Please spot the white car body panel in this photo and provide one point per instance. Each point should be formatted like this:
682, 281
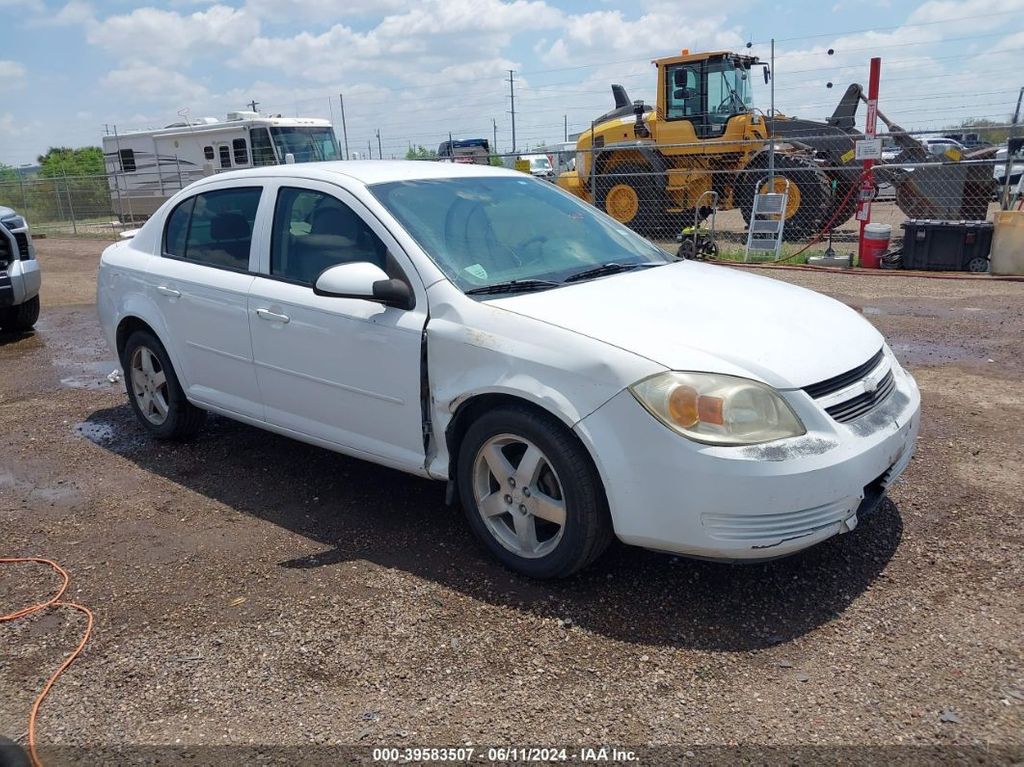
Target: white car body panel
350, 375
692, 316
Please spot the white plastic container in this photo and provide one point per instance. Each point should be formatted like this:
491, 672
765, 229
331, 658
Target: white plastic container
1008, 243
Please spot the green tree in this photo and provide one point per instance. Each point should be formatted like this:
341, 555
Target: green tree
420, 152
8, 174
988, 130
64, 161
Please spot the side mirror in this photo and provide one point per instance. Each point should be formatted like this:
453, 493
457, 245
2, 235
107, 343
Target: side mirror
364, 280
767, 75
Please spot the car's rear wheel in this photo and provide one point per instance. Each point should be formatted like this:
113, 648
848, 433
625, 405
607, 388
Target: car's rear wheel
154, 392
22, 317
532, 494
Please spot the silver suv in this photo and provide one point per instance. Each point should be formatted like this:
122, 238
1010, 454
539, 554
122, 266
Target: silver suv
19, 274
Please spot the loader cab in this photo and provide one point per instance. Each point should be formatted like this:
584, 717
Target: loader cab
707, 90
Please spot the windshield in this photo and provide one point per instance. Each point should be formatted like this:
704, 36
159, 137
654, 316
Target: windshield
729, 90
540, 163
489, 230
305, 144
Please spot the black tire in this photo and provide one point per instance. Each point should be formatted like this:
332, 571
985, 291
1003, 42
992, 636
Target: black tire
978, 264
649, 216
686, 249
20, 318
183, 419
711, 250
811, 182
587, 528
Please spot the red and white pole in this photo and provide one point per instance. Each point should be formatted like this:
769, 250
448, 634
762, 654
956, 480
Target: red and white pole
867, 187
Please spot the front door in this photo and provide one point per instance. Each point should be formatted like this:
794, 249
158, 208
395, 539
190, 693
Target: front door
341, 371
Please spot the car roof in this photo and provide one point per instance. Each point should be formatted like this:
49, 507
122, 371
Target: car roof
369, 171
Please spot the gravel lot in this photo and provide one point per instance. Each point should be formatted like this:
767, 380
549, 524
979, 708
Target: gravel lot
253, 590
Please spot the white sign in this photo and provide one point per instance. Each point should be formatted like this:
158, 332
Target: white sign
868, 149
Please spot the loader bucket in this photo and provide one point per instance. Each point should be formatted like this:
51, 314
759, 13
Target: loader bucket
946, 192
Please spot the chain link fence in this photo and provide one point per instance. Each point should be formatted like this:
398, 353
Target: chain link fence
697, 195
697, 198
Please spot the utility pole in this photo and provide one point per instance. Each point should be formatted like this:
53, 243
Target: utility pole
512, 96
771, 132
565, 128
253, 104
494, 129
1004, 202
369, 149
380, 151
344, 128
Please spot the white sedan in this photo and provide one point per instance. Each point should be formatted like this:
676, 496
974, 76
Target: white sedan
569, 380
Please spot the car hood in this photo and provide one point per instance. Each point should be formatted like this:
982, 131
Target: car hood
691, 316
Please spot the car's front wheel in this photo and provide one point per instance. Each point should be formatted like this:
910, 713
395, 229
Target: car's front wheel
21, 318
532, 494
154, 392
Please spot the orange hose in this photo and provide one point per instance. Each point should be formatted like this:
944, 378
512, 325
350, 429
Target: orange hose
53, 601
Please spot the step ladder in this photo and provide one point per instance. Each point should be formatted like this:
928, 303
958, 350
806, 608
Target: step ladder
767, 220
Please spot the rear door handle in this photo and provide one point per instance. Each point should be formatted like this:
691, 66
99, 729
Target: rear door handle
166, 291
266, 314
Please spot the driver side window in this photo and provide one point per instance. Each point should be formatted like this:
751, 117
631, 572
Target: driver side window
683, 97
314, 231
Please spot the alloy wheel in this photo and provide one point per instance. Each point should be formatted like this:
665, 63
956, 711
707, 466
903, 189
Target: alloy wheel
149, 385
519, 496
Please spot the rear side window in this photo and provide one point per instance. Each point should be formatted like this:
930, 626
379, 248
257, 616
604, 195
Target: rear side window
225, 156
177, 229
208, 152
214, 228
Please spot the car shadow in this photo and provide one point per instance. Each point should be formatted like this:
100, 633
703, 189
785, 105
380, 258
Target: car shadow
353, 510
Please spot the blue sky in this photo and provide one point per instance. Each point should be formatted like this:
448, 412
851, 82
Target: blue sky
417, 70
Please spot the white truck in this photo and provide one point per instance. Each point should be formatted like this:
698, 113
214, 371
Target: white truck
145, 168
19, 274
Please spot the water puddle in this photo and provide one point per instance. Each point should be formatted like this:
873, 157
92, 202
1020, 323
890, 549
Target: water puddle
90, 375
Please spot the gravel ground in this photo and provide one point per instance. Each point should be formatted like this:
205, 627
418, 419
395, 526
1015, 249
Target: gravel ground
253, 590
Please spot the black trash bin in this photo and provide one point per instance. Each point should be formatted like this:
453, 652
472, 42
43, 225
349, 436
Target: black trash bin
960, 246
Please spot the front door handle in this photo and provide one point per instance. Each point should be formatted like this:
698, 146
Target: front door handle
166, 291
266, 314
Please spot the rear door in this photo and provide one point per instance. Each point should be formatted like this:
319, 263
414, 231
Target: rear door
201, 286
342, 371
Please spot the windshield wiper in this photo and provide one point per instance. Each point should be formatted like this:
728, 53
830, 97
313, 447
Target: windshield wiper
606, 269
513, 286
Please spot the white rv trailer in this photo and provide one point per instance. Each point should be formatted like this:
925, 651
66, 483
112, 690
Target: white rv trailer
144, 168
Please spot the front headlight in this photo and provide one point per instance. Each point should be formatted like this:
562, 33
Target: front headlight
718, 409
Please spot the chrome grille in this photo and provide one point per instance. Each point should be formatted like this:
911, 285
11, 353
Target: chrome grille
841, 381
862, 403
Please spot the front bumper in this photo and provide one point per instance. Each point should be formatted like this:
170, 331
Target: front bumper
20, 278
757, 502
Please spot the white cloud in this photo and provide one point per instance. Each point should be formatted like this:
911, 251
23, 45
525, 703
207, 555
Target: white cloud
154, 83
12, 75
411, 45
325, 11
150, 34
610, 35
74, 13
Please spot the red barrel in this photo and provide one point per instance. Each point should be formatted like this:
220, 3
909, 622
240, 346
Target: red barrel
874, 245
